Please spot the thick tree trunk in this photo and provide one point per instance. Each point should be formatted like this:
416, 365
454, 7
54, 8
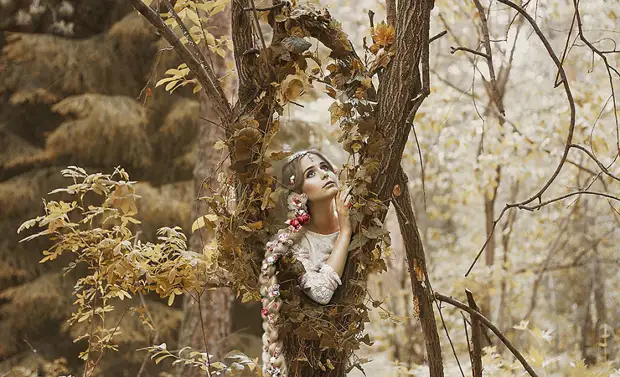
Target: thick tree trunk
400, 94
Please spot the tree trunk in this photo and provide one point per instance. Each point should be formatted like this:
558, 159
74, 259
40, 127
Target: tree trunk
214, 306
603, 335
416, 262
400, 94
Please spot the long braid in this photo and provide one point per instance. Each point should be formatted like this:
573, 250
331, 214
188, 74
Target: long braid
274, 363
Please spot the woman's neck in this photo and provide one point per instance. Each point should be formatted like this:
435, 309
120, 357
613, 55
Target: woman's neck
323, 219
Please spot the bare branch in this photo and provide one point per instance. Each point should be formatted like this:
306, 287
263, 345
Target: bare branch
257, 24
569, 96
445, 328
491, 327
531, 208
569, 138
264, 9
607, 66
437, 36
455, 49
487, 47
600, 165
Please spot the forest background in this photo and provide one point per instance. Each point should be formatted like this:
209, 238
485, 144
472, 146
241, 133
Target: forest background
78, 87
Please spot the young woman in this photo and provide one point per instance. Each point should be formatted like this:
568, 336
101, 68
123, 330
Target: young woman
317, 234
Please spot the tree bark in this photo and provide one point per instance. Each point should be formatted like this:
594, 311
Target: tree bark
400, 94
207, 320
476, 338
416, 262
603, 335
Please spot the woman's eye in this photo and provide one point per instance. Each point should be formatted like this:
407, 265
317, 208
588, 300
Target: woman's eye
310, 174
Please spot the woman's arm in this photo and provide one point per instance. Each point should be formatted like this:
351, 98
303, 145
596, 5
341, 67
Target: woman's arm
318, 281
338, 257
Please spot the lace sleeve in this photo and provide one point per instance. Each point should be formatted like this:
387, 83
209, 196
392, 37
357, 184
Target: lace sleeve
319, 281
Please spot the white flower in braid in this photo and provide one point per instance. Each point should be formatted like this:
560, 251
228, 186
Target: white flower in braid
274, 364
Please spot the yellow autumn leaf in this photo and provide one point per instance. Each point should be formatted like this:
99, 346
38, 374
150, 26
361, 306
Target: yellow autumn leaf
292, 89
384, 34
256, 225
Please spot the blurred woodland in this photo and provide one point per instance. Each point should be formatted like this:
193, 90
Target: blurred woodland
511, 170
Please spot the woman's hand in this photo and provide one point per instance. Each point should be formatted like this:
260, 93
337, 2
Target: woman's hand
342, 207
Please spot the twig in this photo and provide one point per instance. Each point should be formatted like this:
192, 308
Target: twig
569, 137
264, 9
155, 338
566, 48
490, 326
467, 338
204, 335
607, 66
487, 47
600, 165
417, 143
531, 208
258, 29
445, 328
455, 49
437, 36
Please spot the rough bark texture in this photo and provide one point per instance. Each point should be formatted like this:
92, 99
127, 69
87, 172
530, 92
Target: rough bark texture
476, 338
416, 262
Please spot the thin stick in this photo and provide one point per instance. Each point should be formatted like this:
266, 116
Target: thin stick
258, 30
445, 328
472, 51
490, 326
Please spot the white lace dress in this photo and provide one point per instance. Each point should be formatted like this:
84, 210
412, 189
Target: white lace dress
320, 280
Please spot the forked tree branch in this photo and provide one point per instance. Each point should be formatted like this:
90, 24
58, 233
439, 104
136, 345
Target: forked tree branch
609, 69
489, 56
569, 138
483, 320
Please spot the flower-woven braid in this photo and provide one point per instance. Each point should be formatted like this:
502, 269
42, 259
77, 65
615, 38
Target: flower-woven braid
274, 363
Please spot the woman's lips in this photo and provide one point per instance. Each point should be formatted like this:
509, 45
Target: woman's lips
329, 183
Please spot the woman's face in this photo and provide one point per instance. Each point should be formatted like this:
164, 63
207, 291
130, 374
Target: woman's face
320, 182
